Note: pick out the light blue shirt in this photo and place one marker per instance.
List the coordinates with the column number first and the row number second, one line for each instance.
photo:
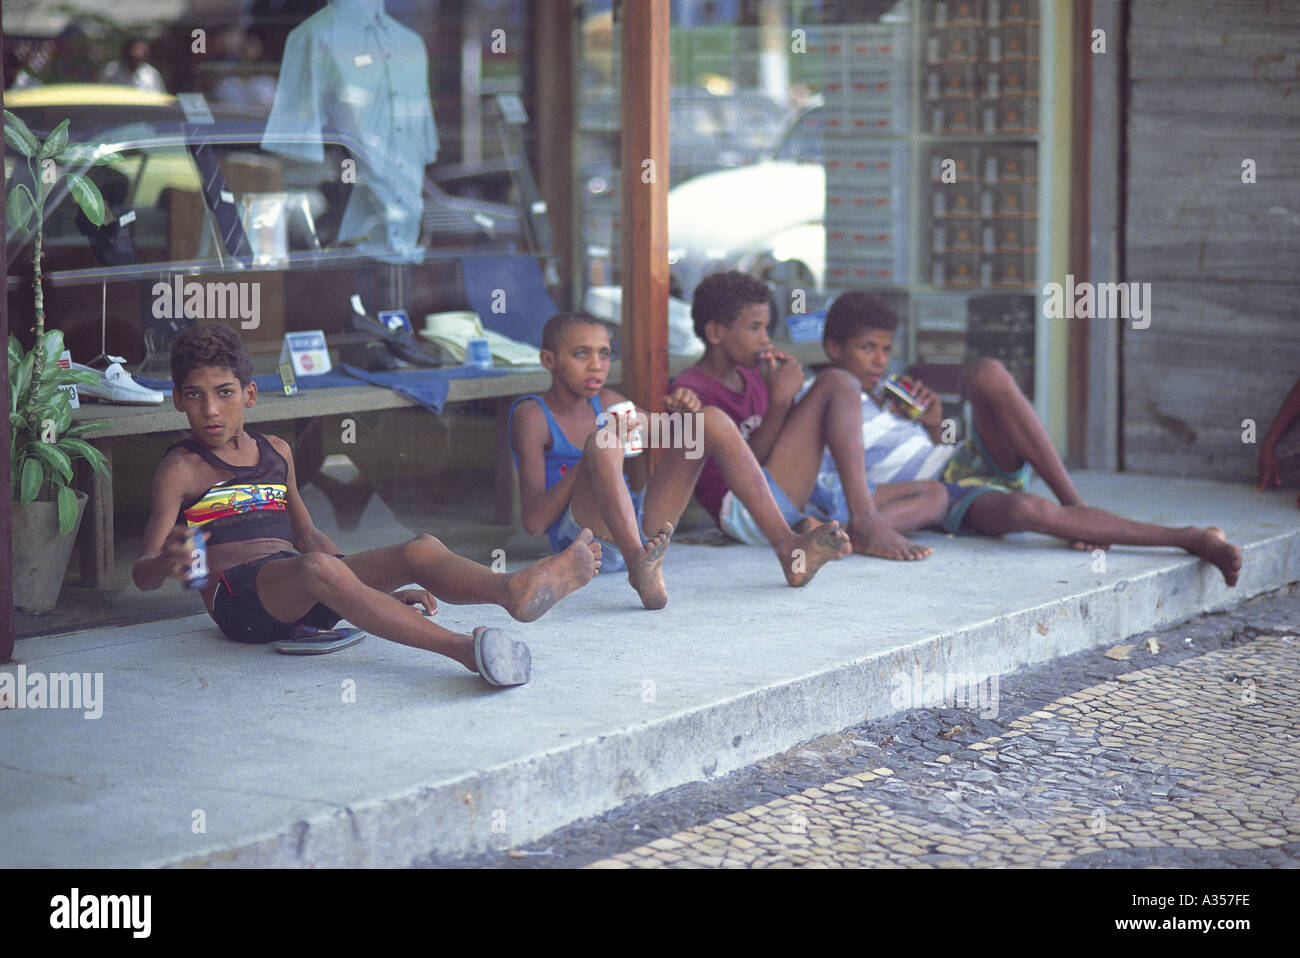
column 353, row 68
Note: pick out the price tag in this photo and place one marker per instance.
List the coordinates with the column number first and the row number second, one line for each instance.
column 196, row 109
column 65, row 362
column 306, row 353
column 395, row 320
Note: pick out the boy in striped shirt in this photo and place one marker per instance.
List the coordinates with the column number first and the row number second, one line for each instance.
column 987, row 475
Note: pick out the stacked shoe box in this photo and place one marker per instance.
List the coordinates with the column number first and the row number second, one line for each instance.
column 981, row 67
column 864, row 85
column 1002, row 327
column 983, row 221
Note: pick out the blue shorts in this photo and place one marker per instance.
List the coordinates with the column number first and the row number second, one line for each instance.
column 970, row 473
column 566, row 529
column 826, row 503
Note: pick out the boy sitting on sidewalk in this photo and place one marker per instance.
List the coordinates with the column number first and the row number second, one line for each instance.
column 236, row 488
column 571, row 471
column 987, row 475
column 755, row 386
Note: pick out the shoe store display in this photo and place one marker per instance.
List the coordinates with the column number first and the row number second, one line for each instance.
column 116, row 385
column 399, row 340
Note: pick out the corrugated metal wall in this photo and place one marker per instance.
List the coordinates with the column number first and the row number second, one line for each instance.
column 1211, row 83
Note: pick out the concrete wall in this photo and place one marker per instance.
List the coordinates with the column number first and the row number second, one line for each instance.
column 1210, row 84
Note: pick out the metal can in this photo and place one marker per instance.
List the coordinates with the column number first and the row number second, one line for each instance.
column 902, row 391
column 620, row 413
column 196, row 576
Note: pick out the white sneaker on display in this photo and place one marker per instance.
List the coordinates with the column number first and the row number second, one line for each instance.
column 116, row 385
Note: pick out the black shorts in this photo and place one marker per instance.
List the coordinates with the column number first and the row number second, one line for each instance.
column 238, row 611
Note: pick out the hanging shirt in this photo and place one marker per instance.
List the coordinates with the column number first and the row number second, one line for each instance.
column 354, row 69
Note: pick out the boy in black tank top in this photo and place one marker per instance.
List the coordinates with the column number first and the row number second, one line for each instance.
column 271, row 569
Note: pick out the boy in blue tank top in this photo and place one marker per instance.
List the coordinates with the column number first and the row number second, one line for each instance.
column 571, row 467
column 271, row 569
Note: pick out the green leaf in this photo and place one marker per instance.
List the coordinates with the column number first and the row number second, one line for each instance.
column 78, row 155
column 67, row 510
column 71, row 377
column 18, row 137
column 79, row 447
column 19, row 207
column 18, row 385
column 81, row 428
column 55, row 142
column 33, row 476
column 16, row 421
column 55, row 458
column 15, row 352
column 53, row 345
column 86, row 193
column 63, row 415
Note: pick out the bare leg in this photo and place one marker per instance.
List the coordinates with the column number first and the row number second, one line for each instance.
column 525, row 594
column 999, row 512
column 601, row 501
column 287, row 588
column 907, row 506
column 1011, row 430
column 669, row 492
column 830, row 416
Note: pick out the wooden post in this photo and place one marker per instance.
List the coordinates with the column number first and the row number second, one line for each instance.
column 96, row 539
column 6, row 517
column 644, row 257
column 1080, row 232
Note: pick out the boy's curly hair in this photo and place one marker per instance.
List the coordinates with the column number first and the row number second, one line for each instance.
column 210, row 344
column 853, row 312
column 720, row 298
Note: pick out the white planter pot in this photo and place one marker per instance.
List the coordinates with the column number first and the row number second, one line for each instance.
column 40, row 554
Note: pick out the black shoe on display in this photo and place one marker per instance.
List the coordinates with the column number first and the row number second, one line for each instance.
column 399, row 340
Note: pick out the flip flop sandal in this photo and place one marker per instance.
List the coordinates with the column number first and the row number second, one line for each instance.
column 500, row 659
column 305, row 640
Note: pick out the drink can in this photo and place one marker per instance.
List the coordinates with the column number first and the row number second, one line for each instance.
column 196, row 576
column 902, row 391
column 633, row 444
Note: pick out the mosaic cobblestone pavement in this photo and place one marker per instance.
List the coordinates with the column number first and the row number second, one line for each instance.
column 1192, row 763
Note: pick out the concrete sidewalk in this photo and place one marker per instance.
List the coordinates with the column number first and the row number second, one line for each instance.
column 208, row 752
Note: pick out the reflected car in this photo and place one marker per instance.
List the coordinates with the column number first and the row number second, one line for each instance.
column 706, row 132
column 767, row 218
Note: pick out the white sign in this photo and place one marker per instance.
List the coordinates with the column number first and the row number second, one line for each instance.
column 196, row 109
column 65, row 362
column 306, row 352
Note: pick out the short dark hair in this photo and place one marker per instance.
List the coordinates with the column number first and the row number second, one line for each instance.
column 854, row 311
column 560, row 323
column 720, row 298
column 210, row 344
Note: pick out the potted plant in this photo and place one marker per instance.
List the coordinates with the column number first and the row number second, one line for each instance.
column 43, row 442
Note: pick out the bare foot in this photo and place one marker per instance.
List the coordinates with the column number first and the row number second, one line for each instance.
column 803, row 555
column 808, row 524
column 1213, row 546
column 877, row 539
column 533, row 590
column 646, row 573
